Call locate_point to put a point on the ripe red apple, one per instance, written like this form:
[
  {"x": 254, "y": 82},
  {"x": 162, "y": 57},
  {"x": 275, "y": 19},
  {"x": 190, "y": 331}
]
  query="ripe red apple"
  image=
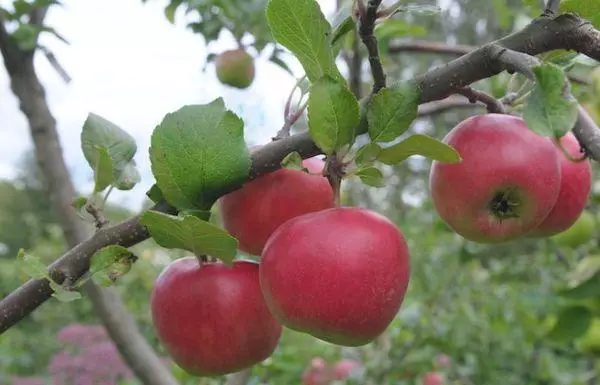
[
  {"x": 506, "y": 184},
  {"x": 443, "y": 360},
  {"x": 339, "y": 274},
  {"x": 212, "y": 318},
  {"x": 576, "y": 184},
  {"x": 254, "y": 212},
  {"x": 235, "y": 68},
  {"x": 433, "y": 378}
]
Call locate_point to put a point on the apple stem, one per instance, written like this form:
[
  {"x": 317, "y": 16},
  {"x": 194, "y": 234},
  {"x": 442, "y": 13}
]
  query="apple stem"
[
  {"x": 566, "y": 153},
  {"x": 202, "y": 258},
  {"x": 334, "y": 172}
]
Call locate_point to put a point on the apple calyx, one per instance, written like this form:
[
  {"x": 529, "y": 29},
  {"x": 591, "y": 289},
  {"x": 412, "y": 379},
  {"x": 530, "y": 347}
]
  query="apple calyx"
[{"x": 505, "y": 204}]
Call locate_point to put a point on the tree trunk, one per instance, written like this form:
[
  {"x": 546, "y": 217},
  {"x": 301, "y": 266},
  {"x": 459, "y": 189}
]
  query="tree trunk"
[{"x": 106, "y": 302}]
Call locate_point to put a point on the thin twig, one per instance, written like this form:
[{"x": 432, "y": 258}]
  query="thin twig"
[
  {"x": 551, "y": 7},
  {"x": 100, "y": 219},
  {"x": 366, "y": 31},
  {"x": 493, "y": 105}
]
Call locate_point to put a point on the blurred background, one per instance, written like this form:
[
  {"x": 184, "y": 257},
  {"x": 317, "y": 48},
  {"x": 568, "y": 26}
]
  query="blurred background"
[{"x": 474, "y": 314}]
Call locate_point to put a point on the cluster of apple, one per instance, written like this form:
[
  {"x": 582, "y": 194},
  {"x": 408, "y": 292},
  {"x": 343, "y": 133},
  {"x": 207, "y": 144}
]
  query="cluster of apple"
[
  {"x": 337, "y": 273},
  {"x": 511, "y": 182}
]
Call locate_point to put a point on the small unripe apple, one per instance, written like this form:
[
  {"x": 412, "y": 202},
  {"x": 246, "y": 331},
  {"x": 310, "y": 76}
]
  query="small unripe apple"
[
  {"x": 576, "y": 184},
  {"x": 506, "y": 184},
  {"x": 235, "y": 68},
  {"x": 212, "y": 318},
  {"x": 339, "y": 274},
  {"x": 579, "y": 233},
  {"x": 433, "y": 378},
  {"x": 252, "y": 213}
]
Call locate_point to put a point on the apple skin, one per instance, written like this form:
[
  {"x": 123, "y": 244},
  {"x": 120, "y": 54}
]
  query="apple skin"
[
  {"x": 433, "y": 378},
  {"x": 235, "y": 68},
  {"x": 506, "y": 184},
  {"x": 212, "y": 318},
  {"x": 252, "y": 213},
  {"x": 339, "y": 274},
  {"x": 576, "y": 184},
  {"x": 579, "y": 233}
]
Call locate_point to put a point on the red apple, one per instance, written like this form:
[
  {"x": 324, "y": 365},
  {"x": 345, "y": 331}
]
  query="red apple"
[
  {"x": 235, "y": 68},
  {"x": 433, "y": 378},
  {"x": 575, "y": 189},
  {"x": 254, "y": 212},
  {"x": 343, "y": 368},
  {"x": 212, "y": 318},
  {"x": 443, "y": 360},
  {"x": 506, "y": 184},
  {"x": 317, "y": 373},
  {"x": 339, "y": 274}
]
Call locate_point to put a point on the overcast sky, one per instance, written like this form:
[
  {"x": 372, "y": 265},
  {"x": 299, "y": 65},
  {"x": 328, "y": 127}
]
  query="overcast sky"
[{"x": 130, "y": 65}]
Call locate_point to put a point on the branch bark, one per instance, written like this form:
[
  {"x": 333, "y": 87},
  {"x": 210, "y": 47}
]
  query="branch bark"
[
  {"x": 106, "y": 303},
  {"x": 366, "y": 31},
  {"x": 543, "y": 34}
]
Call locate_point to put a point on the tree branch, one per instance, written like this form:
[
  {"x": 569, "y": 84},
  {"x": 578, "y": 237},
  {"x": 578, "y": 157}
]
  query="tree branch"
[
  {"x": 493, "y": 105},
  {"x": 543, "y": 34},
  {"x": 366, "y": 30},
  {"x": 454, "y": 50},
  {"x": 551, "y": 7}
]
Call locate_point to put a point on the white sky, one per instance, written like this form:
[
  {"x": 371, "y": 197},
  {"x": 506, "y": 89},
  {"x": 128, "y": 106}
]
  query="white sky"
[{"x": 130, "y": 65}]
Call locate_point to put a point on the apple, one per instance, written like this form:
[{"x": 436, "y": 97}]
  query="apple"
[
  {"x": 317, "y": 373},
  {"x": 506, "y": 184},
  {"x": 235, "y": 68},
  {"x": 252, "y": 213},
  {"x": 339, "y": 274},
  {"x": 579, "y": 233},
  {"x": 433, "y": 378},
  {"x": 211, "y": 317},
  {"x": 344, "y": 368},
  {"x": 443, "y": 360},
  {"x": 576, "y": 184}
]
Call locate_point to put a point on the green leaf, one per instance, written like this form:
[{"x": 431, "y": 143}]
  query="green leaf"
[
  {"x": 371, "y": 176},
  {"x": 63, "y": 295},
  {"x": 391, "y": 111},
  {"x": 342, "y": 22},
  {"x": 171, "y": 9},
  {"x": 26, "y": 36},
  {"x": 103, "y": 170},
  {"x": 190, "y": 233},
  {"x": 393, "y": 28},
  {"x": 293, "y": 161},
  {"x": 572, "y": 323},
  {"x": 79, "y": 202},
  {"x": 32, "y": 266},
  {"x": 198, "y": 153},
  {"x": 107, "y": 256},
  {"x": 550, "y": 110},
  {"x": 419, "y": 145},
  {"x": 99, "y": 133},
  {"x": 333, "y": 115},
  {"x": 301, "y": 27},
  {"x": 589, "y": 288},
  {"x": 110, "y": 263},
  {"x": 367, "y": 154},
  {"x": 127, "y": 177},
  {"x": 155, "y": 194},
  {"x": 587, "y": 9}
]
